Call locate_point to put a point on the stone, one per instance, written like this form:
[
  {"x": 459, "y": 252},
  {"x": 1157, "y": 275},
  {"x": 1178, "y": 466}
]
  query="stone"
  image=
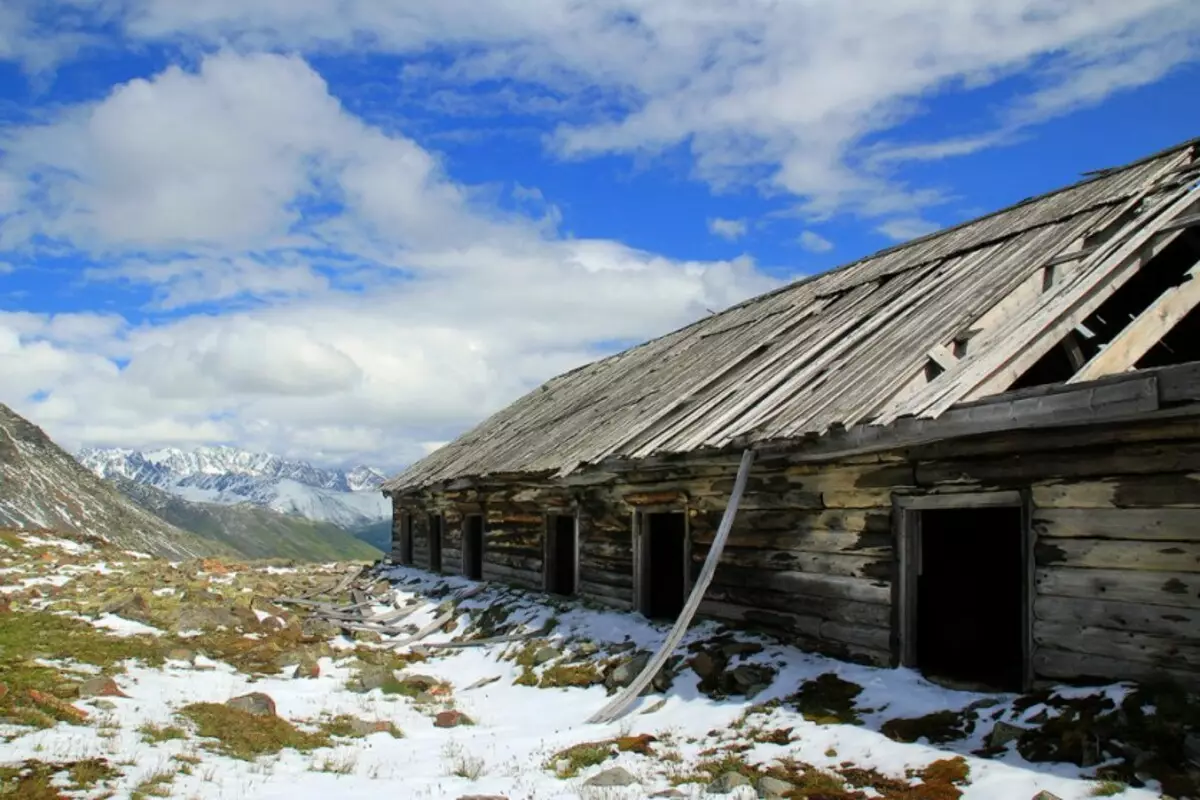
[
  {"x": 370, "y": 680},
  {"x": 727, "y": 783},
  {"x": 1002, "y": 733},
  {"x": 201, "y": 618},
  {"x": 625, "y": 673},
  {"x": 368, "y": 637},
  {"x": 62, "y": 707},
  {"x": 246, "y": 618},
  {"x": 451, "y": 719},
  {"x": 104, "y": 705},
  {"x": 704, "y": 665},
  {"x": 132, "y": 607},
  {"x": 750, "y": 679},
  {"x": 181, "y": 654},
  {"x": 362, "y": 727},
  {"x": 616, "y": 776},
  {"x": 732, "y": 649},
  {"x": 422, "y": 683},
  {"x": 1044, "y": 795},
  {"x": 773, "y": 787},
  {"x": 317, "y": 628},
  {"x": 307, "y": 669},
  {"x": 100, "y": 687},
  {"x": 255, "y": 703},
  {"x": 586, "y": 649},
  {"x": 545, "y": 654}
]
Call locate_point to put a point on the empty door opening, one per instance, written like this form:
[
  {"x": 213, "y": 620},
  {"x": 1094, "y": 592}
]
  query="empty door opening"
[
  {"x": 435, "y": 543},
  {"x": 406, "y": 539},
  {"x": 664, "y": 564},
  {"x": 561, "y": 554},
  {"x": 472, "y": 552},
  {"x": 970, "y": 606}
]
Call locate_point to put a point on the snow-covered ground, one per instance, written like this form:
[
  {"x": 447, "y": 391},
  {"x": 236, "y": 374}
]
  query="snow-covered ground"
[{"x": 509, "y": 750}]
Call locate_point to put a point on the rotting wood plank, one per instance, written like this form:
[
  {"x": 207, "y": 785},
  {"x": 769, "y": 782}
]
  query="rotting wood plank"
[
  {"x": 1167, "y": 589},
  {"x": 1114, "y": 554},
  {"x": 808, "y": 540},
  {"x": 872, "y": 614},
  {"x": 1124, "y": 645},
  {"x": 841, "y": 564},
  {"x": 1133, "y": 491},
  {"x": 1123, "y": 352},
  {"x": 1065, "y": 665},
  {"x": 1111, "y": 463},
  {"x": 1136, "y": 524},
  {"x": 1183, "y": 624},
  {"x": 836, "y": 587}
]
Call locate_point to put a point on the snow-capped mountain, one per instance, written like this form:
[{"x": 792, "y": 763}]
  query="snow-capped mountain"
[{"x": 346, "y": 498}]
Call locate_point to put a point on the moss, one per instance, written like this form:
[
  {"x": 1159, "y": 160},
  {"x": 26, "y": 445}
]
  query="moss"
[
  {"x": 154, "y": 734},
  {"x": 35, "y": 780},
  {"x": 939, "y": 727},
  {"x": 828, "y": 700},
  {"x": 589, "y": 754},
  {"x": 243, "y": 735},
  {"x": 347, "y": 727},
  {"x": 1107, "y": 789},
  {"x": 527, "y": 677},
  {"x": 561, "y": 675}
]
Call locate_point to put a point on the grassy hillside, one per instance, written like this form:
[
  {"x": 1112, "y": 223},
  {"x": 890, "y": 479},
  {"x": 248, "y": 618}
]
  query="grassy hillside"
[
  {"x": 253, "y": 531},
  {"x": 377, "y": 534}
]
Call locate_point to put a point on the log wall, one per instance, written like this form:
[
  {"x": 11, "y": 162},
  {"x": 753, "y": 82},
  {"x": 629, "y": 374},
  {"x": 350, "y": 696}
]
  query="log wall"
[{"x": 1115, "y": 520}]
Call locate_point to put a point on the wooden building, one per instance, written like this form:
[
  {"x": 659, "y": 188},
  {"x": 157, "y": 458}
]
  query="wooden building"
[{"x": 977, "y": 453}]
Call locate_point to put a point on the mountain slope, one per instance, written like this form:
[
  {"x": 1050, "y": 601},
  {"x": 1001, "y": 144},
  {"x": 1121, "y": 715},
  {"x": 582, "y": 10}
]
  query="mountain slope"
[
  {"x": 253, "y": 531},
  {"x": 229, "y": 476},
  {"x": 42, "y": 486}
]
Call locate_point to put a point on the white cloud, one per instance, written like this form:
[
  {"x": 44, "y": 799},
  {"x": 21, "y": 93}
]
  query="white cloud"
[
  {"x": 730, "y": 229},
  {"x": 815, "y": 242},
  {"x": 904, "y": 228},
  {"x": 464, "y": 307}
]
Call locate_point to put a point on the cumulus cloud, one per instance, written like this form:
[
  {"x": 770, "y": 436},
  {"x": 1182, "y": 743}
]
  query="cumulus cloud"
[
  {"x": 905, "y": 228},
  {"x": 332, "y": 290},
  {"x": 730, "y": 229},
  {"x": 814, "y": 242}
]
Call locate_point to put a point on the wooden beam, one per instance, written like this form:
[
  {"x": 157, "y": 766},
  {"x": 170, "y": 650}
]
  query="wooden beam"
[{"x": 1145, "y": 331}]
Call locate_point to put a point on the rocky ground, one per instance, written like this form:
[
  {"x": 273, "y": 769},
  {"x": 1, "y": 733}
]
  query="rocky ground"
[{"x": 124, "y": 676}]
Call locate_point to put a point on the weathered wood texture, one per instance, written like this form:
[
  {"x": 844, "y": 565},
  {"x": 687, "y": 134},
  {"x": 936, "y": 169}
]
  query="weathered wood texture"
[{"x": 1115, "y": 518}]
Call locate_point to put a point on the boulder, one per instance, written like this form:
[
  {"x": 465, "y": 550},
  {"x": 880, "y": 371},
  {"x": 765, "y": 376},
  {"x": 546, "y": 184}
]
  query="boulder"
[
  {"x": 750, "y": 679},
  {"x": 727, "y": 783},
  {"x": 451, "y": 719},
  {"x": 204, "y": 618},
  {"x": 100, "y": 687},
  {"x": 769, "y": 787},
  {"x": 1002, "y": 733},
  {"x": 255, "y": 703},
  {"x": 624, "y": 674},
  {"x": 545, "y": 654},
  {"x": 704, "y": 665},
  {"x": 615, "y": 776},
  {"x": 1044, "y": 795},
  {"x": 307, "y": 668}
]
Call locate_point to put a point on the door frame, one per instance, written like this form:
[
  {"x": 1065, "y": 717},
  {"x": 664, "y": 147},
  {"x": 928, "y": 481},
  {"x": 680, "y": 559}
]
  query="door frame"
[
  {"x": 550, "y": 554},
  {"x": 641, "y": 545},
  {"x": 906, "y": 524}
]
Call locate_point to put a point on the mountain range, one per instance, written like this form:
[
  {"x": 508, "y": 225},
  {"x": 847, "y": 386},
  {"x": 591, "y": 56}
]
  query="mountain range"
[{"x": 349, "y": 499}]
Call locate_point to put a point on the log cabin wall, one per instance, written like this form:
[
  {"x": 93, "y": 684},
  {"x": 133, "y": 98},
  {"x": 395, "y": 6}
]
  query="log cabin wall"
[{"x": 1115, "y": 517}]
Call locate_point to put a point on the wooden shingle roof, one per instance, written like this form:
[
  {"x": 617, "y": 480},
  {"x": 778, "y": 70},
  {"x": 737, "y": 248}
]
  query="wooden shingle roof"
[{"x": 983, "y": 300}]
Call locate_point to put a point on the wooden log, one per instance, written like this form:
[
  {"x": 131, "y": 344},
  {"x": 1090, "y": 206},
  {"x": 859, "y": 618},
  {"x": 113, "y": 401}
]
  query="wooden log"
[
  {"x": 1172, "y": 589},
  {"x": 851, "y": 566},
  {"x": 1106, "y": 462},
  {"x": 1113, "y": 435},
  {"x": 1112, "y": 554},
  {"x": 505, "y": 519},
  {"x": 809, "y": 585},
  {"x": 1160, "y": 651},
  {"x": 521, "y": 577},
  {"x": 660, "y": 498},
  {"x": 1135, "y": 491},
  {"x": 617, "y": 579},
  {"x": 807, "y": 541},
  {"x": 1181, "y": 623},
  {"x": 867, "y": 636},
  {"x": 1137, "y": 524},
  {"x": 1064, "y": 665},
  {"x": 602, "y": 590},
  {"x": 874, "y": 614}
]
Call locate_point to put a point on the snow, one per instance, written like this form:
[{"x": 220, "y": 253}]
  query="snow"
[
  {"x": 519, "y": 728},
  {"x": 120, "y": 626}
]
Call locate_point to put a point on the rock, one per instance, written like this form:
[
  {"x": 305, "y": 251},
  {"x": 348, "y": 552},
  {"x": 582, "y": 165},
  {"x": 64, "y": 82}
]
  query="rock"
[
  {"x": 740, "y": 649},
  {"x": 451, "y": 719},
  {"x": 105, "y": 705},
  {"x": 704, "y": 665},
  {"x": 773, "y": 787},
  {"x": 246, "y": 618},
  {"x": 422, "y": 683},
  {"x": 202, "y": 596},
  {"x": 1044, "y": 795},
  {"x": 1002, "y": 733},
  {"x": 371, "y": 679},
  {"x": 362, "y": 727},
  {"x": 100, "y": 687},
  {"x": 62, "y": 707},
  {"x": 624, "y": 674},
  {"x": 586, "y": 649},
  {"x": 616, "y": 776},
  {"x": 317, "y": 628},
  {"x": 727, "y": 783},
  {"x": 307, "y": 669},
  {"x": 255, "y": 703},
  {"x": 202, "y": 618},
  {"x": 368, "y": 637},
  {"x": 132, "y": 607},
  {"x": 181, "y": 654},
  {"x": 750, "y": 679},
  {"x": 544, "y": 654}
]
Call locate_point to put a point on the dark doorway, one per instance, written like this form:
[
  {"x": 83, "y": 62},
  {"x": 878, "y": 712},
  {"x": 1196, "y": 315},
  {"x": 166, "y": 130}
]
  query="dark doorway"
[
  {"x": 472, "y": 548},
  {"x": 435, "y": 542},
  {"x": 664, "y": 546},
  {"x": 406, "y": 538},
  {"x": 560, "y": 555},
  {"x": 970, "y": 597}
]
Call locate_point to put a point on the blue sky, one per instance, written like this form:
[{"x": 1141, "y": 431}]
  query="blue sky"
[{"x": 349, "y": 232}]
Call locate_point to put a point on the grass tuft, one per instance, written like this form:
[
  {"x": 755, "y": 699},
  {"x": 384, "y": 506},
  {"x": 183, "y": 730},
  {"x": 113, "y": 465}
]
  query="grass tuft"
[{"x": 247, "y": 736}]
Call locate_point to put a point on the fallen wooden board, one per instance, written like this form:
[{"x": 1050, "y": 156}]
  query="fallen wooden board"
[
  {"x": 617, "y": 706},
  {"x": 440, "y": 620}
]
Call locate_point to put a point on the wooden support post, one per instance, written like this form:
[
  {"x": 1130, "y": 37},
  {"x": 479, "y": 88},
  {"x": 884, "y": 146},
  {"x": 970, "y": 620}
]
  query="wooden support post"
[
  {"x": 617, "y": 706},
  {"x": 1145, "y": 331}
]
